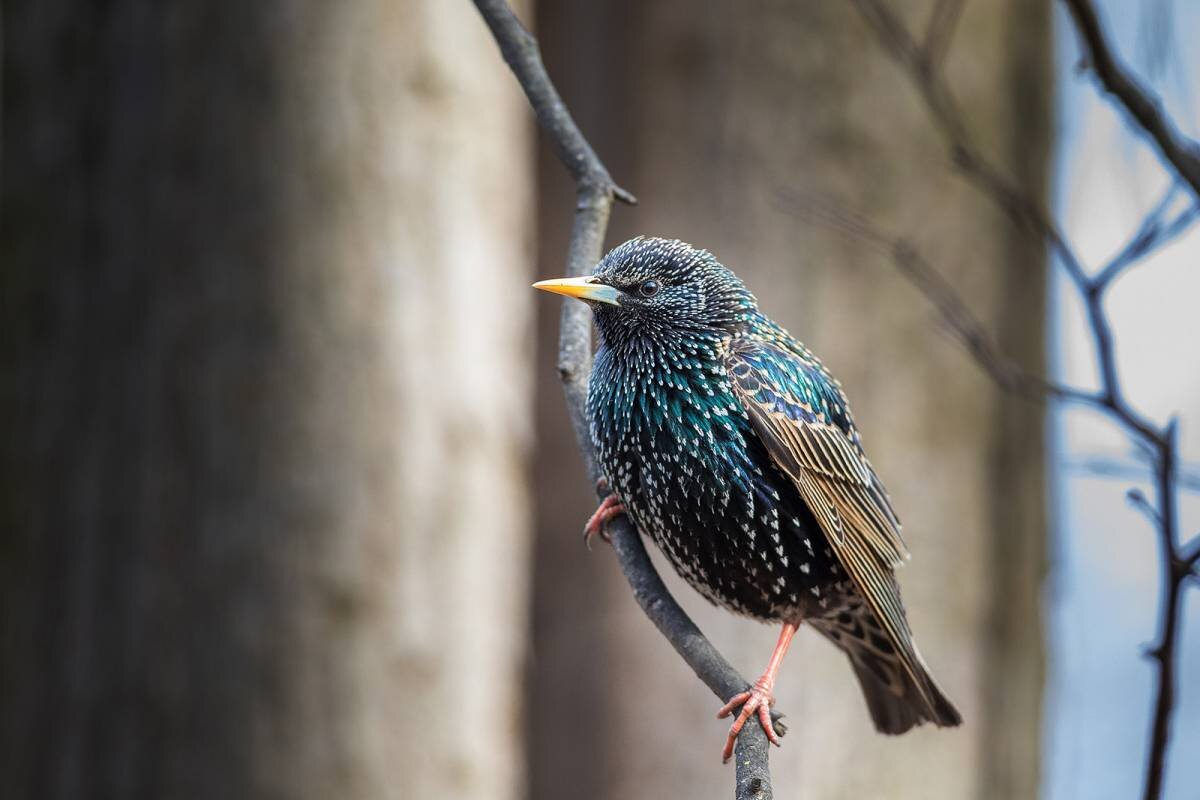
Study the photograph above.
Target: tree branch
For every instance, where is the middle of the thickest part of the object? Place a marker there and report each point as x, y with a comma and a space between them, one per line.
921, 63
958, 318
940, 31
1166, 651
1106, 466
1023, 209
1153, 234
596, 191
1137, 498
1144, 106
1192, 557
1183, 154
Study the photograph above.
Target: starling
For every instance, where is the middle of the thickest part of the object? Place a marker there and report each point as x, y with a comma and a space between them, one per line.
730, 445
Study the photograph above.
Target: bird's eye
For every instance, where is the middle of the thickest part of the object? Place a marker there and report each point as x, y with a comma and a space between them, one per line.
648, 289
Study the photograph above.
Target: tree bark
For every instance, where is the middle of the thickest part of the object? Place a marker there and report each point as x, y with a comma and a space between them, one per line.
264, 398
705, 112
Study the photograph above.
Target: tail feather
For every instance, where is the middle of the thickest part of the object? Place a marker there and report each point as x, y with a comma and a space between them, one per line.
896, 704
897, 700
892, 713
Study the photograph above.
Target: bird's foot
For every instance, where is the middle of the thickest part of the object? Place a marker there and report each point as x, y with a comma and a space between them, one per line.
757, 700
609, 508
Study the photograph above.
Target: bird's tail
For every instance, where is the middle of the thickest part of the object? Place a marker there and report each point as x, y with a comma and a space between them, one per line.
896, 699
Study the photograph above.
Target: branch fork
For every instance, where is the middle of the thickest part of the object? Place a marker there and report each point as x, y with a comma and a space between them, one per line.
1146, 115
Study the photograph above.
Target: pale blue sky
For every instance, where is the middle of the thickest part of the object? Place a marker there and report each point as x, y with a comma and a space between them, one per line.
1104, 584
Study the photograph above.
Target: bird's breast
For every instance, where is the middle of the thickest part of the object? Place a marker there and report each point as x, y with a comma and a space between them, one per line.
685, 461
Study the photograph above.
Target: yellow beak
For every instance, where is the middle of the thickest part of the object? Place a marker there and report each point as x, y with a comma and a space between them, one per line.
586, 289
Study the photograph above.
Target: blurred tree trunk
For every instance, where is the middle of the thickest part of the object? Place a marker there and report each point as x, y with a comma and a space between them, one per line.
705, 111
264, 398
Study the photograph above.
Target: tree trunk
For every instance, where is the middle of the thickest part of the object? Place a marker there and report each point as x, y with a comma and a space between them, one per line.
706, 112
264, 406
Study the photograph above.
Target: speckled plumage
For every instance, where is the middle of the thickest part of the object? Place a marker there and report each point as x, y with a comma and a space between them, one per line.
733, 448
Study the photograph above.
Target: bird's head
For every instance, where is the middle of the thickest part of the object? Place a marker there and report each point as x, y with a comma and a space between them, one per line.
661, 290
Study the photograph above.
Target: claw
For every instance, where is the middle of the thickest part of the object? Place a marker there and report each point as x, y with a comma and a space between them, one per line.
756, 701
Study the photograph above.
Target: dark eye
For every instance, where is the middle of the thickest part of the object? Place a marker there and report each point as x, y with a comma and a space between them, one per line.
648, 289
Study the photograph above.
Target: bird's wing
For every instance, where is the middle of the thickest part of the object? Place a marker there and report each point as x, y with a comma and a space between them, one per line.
800, 414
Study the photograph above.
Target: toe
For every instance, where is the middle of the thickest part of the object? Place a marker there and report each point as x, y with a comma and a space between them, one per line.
764, 718
755, 702
736, 728
735, 701
727, 753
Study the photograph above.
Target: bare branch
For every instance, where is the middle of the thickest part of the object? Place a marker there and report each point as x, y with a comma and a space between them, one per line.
1182, 153
1022, 208
1191, 556
1137, 498
922, 66
940, 31
962, 324
520, 50
1153, 234
596, 192
1025, 211
1167, 646
1111, 467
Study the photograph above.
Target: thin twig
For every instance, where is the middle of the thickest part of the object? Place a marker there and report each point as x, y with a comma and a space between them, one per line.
921, 65
1182, 153
1191, 557
1153, 234
1137, 498
957, 316
596, 192
520, 50
1166, 650
940, 31
1024, 210
1103, 466
1020, 206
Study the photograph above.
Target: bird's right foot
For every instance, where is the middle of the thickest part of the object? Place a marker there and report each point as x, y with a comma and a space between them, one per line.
756, 701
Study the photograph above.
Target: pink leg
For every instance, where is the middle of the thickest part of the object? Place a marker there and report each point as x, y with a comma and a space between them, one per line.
758, 699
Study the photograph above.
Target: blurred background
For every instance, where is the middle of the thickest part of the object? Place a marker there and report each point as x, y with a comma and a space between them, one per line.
291, 506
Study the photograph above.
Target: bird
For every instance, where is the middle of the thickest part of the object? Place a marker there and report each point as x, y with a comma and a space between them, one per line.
730, 445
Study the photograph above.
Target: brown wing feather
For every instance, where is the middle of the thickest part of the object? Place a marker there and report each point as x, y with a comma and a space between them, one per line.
825, 452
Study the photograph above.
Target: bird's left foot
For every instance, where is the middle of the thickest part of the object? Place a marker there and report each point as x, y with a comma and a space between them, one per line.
758, 699
609, 508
